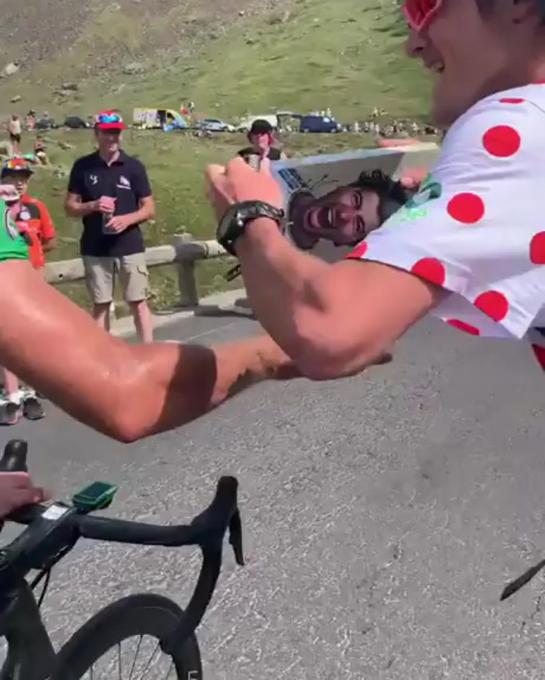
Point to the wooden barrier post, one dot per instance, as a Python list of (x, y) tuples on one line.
[(185, 253), (187, 282)]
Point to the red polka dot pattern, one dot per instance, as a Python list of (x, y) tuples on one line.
[(501, 141), (466, 208), (358, 252), (431, 270), (512, 100), (540, 355), (463, 326), (493, 304), (537, 248)]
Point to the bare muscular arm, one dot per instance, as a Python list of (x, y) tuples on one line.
[(124, 391)]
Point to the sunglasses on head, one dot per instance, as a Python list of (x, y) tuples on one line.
[(419, 13), (109, 118)]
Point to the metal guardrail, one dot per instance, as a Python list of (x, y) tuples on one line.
[(184, 253)]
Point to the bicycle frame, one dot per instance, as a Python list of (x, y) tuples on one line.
[(30, 653)]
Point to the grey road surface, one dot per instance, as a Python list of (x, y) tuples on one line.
[(383, 515)]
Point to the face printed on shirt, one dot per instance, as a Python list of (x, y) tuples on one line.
[(474, 49), (344, 216)]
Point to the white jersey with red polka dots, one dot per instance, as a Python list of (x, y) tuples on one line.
[(477, 225)]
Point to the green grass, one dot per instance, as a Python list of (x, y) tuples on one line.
[(345, 54)]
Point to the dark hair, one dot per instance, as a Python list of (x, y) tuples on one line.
[(392, 194), (261, 127)]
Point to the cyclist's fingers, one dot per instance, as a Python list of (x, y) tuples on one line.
[(16, 480), (21, 497), (41, 494)]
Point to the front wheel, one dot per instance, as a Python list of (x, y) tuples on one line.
[(123, 641)]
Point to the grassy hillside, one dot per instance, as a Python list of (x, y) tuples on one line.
[(300, 55)]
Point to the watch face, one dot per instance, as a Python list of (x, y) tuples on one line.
[(237, 216)]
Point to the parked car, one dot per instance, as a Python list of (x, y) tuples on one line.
[(319, 124), (214, 125), (45, 124), (75, 123)]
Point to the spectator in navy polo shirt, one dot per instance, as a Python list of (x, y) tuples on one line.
[(110, 191)]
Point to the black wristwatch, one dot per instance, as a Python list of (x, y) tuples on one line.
[(233, 224)]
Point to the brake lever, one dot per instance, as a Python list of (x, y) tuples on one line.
[(14, 457), (235, 537)]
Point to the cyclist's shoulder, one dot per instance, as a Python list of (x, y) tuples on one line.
[(521, 108), (504, 131)]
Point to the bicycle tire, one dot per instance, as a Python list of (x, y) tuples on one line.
[(136, 615)]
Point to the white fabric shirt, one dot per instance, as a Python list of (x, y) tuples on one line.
[(477, 225)]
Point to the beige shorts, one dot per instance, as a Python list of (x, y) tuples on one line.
[(100, 275)]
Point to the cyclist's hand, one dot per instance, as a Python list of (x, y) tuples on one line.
[(237, 182), (17, 490)]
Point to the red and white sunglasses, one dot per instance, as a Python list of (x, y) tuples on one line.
[(419, 13)]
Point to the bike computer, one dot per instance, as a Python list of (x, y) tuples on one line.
[(96, 496)]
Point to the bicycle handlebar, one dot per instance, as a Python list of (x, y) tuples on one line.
[(48, 540)]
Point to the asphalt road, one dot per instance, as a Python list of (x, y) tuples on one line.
[(383, 516)]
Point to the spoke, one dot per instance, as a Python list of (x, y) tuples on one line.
[(119, 660), (91, 671), (136, 656), (149, 661)]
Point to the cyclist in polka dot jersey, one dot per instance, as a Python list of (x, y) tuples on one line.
[(469, 247)]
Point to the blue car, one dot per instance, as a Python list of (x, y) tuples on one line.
[(319, 124)]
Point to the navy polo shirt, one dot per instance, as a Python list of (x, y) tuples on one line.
[(125, 180)]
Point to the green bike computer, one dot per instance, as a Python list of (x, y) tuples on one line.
[(96, 496)]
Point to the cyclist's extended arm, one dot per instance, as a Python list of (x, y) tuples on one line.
[(124, 391)]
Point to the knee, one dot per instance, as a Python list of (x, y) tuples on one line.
[(139, 307)]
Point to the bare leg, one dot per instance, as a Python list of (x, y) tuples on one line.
[(142, 320), (101, 314)]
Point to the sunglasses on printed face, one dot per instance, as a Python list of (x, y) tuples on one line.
[(419, 13)]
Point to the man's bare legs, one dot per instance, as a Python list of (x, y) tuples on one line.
[(10, 410), (143, 320), (101, 314)]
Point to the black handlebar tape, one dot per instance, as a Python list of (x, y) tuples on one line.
[(14, 458), (119, 531), (207, 528), (218, 514)]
